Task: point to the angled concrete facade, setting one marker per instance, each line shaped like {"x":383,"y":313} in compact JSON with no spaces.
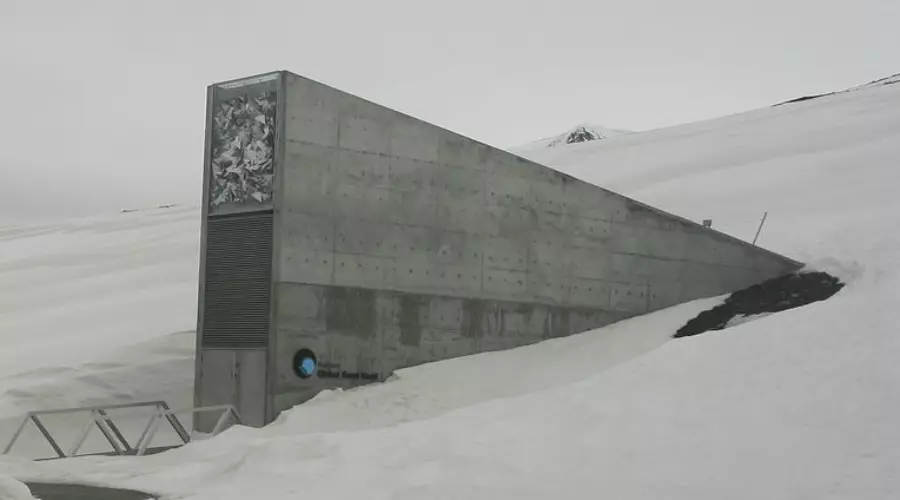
{"x":390,"y":242}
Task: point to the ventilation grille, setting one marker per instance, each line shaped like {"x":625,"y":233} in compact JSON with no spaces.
{"x":238,"y":281}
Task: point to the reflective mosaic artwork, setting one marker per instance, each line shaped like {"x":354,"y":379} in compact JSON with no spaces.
{"x":243,"y":151}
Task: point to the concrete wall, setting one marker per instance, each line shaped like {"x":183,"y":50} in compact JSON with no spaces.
{"x":362,"y":334}
{"x":397,"y":242}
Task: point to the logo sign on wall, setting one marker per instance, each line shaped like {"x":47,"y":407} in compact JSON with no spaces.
{"x":305,"y":363}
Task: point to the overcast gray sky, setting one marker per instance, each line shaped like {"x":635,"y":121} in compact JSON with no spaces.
{"x":103,"y":101}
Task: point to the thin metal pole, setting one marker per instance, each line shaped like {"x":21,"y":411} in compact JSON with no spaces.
{"x":103,"y":425}
{"x":83,"y":436}
{"x":175,"y":423}
{"x":237,"y":416}
{"x":150,"y":434}
{"x":115,"y":429}
{"x":220,"y":424}
{"x":101,"y":407}
{"x":15,"y":436}
{"x":763,"y":221}
{"x":47,"y":436}
{"x":140,"y":441}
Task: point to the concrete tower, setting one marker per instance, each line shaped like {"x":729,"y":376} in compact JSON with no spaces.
{"x":343,"y":240}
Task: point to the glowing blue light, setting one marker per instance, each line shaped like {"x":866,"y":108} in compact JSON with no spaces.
{"x":307,"y":366}
{"x":305,"y":363}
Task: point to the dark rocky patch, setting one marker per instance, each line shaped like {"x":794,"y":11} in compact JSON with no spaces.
{"x":804,"y":98}
{"x":581,"y":134}
{"x":61,"y":491}
{"x":777,"y":294}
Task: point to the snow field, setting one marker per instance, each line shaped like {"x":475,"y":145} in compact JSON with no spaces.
{"x":799,"y":404}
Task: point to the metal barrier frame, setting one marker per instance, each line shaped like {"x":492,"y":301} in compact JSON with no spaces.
{"x":99,"y":417}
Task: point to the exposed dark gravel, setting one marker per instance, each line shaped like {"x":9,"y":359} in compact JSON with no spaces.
{"x":54,"y":491}
{"x":804,"y":98}
{"x":778,"y":294}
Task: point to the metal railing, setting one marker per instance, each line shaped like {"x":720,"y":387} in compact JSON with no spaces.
{"x":98,"y":416}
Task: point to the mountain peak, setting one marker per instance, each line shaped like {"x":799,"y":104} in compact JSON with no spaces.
{"x":580,"y":133}
{"x":584,"y":132}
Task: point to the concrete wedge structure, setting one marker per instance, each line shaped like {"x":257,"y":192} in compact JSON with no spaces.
{"x":343,"y":240}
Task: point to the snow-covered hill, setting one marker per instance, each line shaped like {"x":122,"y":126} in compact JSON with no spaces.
{"x":585,"y":132}
{"x":800,"y":404}
{"x":97,"y":310}
{"x":888,"y":80}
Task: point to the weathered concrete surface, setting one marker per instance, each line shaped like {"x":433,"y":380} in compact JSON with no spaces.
{"x":401,"y":243}
{"x":60,"y":491}
{"x":362,"y":334}
{"x":396,"y":242}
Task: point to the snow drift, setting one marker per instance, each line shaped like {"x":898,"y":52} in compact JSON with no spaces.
{"x":10,"y":489}
{"x":798,"y":404}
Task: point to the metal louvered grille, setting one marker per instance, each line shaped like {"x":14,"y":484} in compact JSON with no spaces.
{"x":237,"y":281}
